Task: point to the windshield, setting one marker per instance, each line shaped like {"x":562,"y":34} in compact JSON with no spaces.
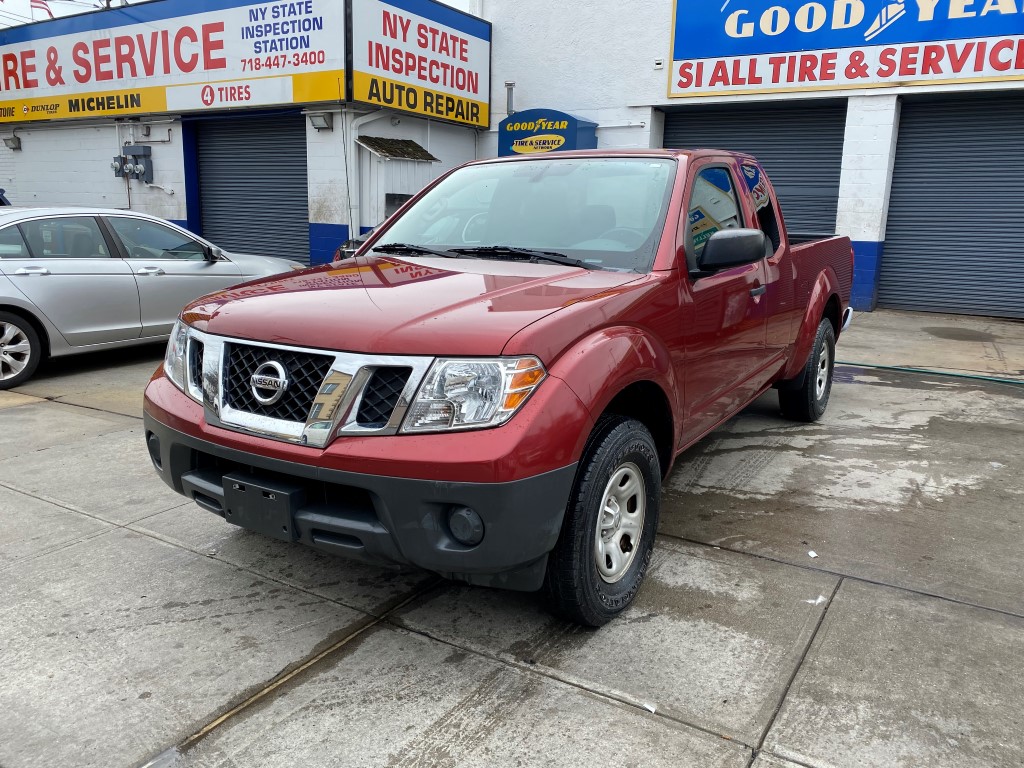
{"x":603,"y":212}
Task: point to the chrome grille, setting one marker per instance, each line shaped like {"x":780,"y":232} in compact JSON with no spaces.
{"x":305,"y":373}
{"x":196,"y":349}
{"x":380,"y":397}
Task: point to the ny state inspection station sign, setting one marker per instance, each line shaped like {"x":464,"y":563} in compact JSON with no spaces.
{"x":723,"y":47}
{"x":177,"y":56}
{"x":173,"y":55}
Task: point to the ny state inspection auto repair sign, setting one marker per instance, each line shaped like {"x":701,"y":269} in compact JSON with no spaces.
{"x":422,"y":57}
{"x":723,"y":47}
{"x":173,"y":55}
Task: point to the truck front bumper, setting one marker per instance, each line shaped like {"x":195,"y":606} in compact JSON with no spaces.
{"x":387,"y":520}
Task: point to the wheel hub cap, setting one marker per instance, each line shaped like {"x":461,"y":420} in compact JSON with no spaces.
{"x":621,"y":523}
{"x":15,"y":351}
{"x":821,"y":382}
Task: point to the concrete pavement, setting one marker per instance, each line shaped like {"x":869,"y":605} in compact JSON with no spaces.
{"x":981,"y":346}
{"x":136,"y":629}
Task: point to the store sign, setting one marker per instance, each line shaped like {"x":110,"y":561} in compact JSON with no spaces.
{"x":422,"y":57}
{"x":763,"y":46}
{"x":173,"y":55}
{"x":536,"y":131}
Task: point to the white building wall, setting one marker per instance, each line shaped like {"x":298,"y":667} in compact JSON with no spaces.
{"x":596,"y":61}
{"x":325,"y":156}
{"x":869,"y":151}
{"x":451,"y":144}
{"x":70,"y":165}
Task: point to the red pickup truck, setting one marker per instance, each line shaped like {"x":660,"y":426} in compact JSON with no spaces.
{"x":494,"y":388}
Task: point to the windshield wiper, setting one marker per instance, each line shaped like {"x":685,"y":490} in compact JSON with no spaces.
{"x":534,"y":256}
{"x":410,"y":248}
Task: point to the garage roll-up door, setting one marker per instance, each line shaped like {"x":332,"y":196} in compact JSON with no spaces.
{"x":800,"y":146}
{"x":955,"y":237}
{"x":253,"y":190}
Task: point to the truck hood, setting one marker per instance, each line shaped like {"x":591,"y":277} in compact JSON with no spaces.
{"x":389,"y":305}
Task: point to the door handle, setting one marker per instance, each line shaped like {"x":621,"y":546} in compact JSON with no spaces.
{"x":155,"y":271}
{"x":759,"y":291}
{"x":32,"y":271}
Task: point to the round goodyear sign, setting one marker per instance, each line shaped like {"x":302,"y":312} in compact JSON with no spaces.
{"x":537,"y":131}
{"x":531,"y":145}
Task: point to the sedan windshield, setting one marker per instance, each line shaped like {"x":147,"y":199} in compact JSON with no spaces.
{"x":602,"y":213}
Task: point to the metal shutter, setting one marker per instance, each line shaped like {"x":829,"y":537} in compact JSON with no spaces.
{"x":253,"y":188}
{"x":955,"y":237}
{"x":801,"y":148}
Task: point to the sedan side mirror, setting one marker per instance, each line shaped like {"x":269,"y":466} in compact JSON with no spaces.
{"x":731,"y":248}
{"x":212,"y":253}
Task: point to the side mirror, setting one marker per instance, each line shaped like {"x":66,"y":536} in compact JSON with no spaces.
{"x":731,"y":248}
{"x":212,"y":253}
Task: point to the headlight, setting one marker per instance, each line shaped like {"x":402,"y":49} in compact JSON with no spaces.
{"x":174,"y":358}
{"x":471,"y":394}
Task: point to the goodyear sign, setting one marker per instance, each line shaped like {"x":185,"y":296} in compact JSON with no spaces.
{"x":536,"y":131}
{"x":173,"y":55}
{"x":764,"y":46}
{"x":422,"y":57}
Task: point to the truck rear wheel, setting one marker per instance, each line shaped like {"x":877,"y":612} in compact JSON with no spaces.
{"x":808,"y":402}
{"x":607,"y":539}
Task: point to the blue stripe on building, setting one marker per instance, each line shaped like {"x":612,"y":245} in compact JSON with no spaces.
{"x":324,"y":240}
{"x":867,"y":267}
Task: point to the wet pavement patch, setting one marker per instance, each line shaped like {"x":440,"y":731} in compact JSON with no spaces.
{"x":912,"y":485}
{"x":952,"y":333}
{"x":710,"y":641}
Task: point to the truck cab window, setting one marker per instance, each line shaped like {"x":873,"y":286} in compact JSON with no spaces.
{"x":713,"y":207}
{"x":768,"y":222}
{"x":767,"y":218}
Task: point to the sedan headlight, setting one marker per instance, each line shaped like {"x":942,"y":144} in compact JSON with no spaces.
{"x":472,"y":394}
{"x":174,"y":357}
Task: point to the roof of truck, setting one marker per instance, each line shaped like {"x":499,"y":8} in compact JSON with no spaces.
{"x":654,"y":153}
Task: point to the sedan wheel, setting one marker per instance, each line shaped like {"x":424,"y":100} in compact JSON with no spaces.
{"x":19,"y":350}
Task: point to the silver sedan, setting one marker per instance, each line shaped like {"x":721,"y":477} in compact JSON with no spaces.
{"x":80,"y":279}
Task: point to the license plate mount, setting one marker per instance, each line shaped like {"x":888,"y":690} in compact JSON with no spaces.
{"x":266,"y":507}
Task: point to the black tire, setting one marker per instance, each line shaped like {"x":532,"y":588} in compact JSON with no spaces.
{"x":575,"y":588}
{"x":17,"y":328}
{"x":809,"y":401}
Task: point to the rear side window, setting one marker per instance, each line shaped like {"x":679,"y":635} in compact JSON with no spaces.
{"x":12,"y":244}
{"x":767,"y":218}
{"x":713,"y":207}
{"x":71,"y":237}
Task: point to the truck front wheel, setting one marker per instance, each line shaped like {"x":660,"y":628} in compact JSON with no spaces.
{"x":607,"y":538}
{"x":808,"y":402}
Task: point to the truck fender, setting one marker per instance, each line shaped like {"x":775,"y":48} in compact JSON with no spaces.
{"x":825,"y":287}
{"x":600,"y":366}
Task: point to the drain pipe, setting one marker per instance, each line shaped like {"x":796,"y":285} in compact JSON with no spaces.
{"x":352,"y":170}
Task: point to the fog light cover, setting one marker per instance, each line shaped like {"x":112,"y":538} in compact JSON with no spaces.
{"x":466,"y":526}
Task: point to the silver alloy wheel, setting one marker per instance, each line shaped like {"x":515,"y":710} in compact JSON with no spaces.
{"x":823,"y":369}
{"x":15,"y":351}
{"x":623,"y":506}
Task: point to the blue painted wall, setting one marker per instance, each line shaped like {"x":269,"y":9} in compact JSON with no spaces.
{"x":867,"y":266}
{"x":190,"y":150}
{"x":324,"y":240}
